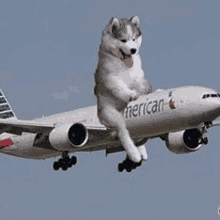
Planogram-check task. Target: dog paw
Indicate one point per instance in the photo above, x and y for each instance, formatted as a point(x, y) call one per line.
point(134, 95)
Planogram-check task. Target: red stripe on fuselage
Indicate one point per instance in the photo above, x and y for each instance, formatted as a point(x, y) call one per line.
point(6, 143)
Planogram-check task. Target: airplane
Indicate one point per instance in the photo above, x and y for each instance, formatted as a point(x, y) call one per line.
point(179, 116)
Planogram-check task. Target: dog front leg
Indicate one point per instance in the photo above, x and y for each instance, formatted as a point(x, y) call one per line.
point(119, 89)
point(144, 87)
point(109, 116)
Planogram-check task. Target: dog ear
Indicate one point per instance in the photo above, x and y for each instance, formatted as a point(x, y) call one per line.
point(135, 20)
point(114, 24)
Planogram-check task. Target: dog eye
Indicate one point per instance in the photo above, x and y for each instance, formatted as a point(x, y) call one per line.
point(134, 39)
point(124, 41)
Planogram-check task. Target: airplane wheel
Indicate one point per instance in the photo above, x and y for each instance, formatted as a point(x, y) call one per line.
point(128, 169)
point(56, 166)
point(64, 167)
point(134, 166)
point(69, 164)
point(138, 164)
point(73, 160)
point(61, 162)
point(120, 167)
point(205, 140)
point(127, 162)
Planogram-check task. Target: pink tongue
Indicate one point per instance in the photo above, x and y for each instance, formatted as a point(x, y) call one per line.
point(129, 61)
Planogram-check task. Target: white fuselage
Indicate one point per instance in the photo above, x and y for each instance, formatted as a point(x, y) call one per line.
point(150, 116)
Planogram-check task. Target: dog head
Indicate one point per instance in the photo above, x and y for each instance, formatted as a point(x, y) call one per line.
point(123, 38)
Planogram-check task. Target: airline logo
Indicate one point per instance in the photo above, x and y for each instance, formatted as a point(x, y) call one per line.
point(6, 143)
point(171, 104)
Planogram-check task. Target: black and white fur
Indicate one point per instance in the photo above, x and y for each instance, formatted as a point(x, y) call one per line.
point(120, 79)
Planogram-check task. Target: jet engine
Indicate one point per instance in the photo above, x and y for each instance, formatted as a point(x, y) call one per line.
point(183, 142)
point(69, 136)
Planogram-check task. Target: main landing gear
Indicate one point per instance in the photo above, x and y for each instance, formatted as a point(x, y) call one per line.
point(128, 165)
point(65, 162)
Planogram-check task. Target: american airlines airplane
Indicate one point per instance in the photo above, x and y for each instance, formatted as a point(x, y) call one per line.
point(179, 116)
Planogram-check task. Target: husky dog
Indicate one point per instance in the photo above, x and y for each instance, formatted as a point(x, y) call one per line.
point(120, 79)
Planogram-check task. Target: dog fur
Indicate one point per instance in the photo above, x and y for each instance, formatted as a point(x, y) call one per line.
point(119, 78)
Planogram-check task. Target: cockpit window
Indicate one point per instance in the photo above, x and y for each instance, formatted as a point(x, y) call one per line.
point(210, 95)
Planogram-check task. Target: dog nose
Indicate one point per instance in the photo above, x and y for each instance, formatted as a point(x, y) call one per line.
point(133, 51)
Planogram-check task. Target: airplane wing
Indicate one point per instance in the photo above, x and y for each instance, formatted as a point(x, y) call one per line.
point(96, 127)
point(19, 126)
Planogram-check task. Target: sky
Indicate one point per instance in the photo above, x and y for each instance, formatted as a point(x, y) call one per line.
point(48, 55)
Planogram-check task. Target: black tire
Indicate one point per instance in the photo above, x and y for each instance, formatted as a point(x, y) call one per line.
point(64, 167)
point(127, 162)
point(69, 163)
point(134, 166)
point(73, 160)
point(61, 161)
point(138, 164)
point(120, 167)
point(56, 166)
point(205, 140)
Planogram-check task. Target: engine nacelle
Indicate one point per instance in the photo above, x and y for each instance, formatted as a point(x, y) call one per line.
point(183, 142)
point(69, 136)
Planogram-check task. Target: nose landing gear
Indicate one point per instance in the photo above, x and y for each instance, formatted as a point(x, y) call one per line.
point(65, 162)
point(205, 140)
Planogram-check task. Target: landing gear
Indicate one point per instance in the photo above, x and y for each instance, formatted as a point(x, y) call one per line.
point(65, 162)
point(128, 165)
point(56, 165)
point(205, 140)
point(208, 124)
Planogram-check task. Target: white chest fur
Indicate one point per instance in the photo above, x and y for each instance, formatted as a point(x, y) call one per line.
point(135, 73)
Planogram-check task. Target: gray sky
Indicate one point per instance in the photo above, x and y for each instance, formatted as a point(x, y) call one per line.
point(48, 54)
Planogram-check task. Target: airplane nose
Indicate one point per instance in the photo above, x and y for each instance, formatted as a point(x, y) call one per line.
point(133, 51)
point(210, 109)
point(214, 106)
point(218, 106)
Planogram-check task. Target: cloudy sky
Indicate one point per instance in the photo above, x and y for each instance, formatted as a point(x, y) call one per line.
point(48, 55)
